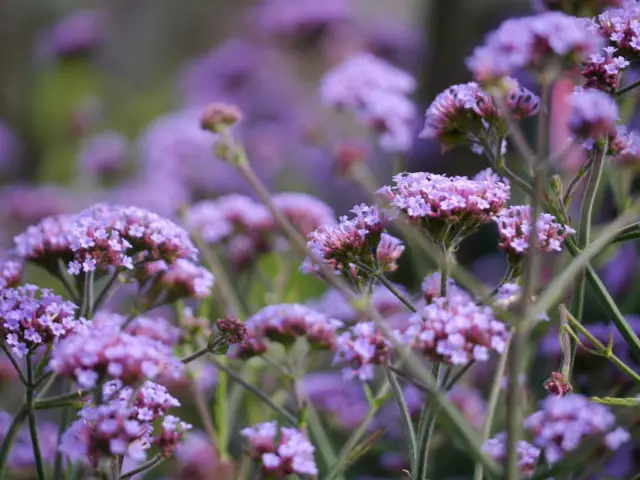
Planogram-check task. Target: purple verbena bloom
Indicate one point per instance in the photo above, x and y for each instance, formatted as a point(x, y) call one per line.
point(22, 205)
point(328, 391)
point(594, 114)
point(31, 316)
point(528, 455)
point(446, 208)
point(79, 33)
point(198, 457)
point(455, 330)
point(163, 283)
point(620, 27)
point(10, 273)
point(550, 39)
point(603, 71)
point(103, 154)
point(46, 242)
point(563, 423)
point(361, 347)
point(306, 212)
point(280, 451)
point(154, 328)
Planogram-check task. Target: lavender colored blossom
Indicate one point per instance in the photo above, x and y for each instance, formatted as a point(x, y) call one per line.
point(563, 423)
point(154, 328)
point(31, 317)
point(21, 455)
point(466, 113)
point(124, 426)
point(550, 39)
point(10, 273)
point(103, 154)
point(197, 456)
point(280, 451)
point(328, 392)
point(284, 323)
point(9, 147)
point(164, 283)
point(377, 92)
point(528, 455)
point(360, 348)
point(620, 27)
point(360, 239)
point(455, 330)
point(104, 350)
point(79, 33)
point(446, 208)
point(305, 211)
point(23, 205)
point(514, 227)
point(594, 114)
point(46, 242)
point(603, 71)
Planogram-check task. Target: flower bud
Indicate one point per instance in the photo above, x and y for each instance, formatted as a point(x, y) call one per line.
point(217, 117)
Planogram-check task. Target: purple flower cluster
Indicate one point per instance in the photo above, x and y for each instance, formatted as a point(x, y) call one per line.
point(377, 92)
point(104, 350)
point(514, 228)
point(360, 348)
point(563, 423)
point(360, 239)
point(282, 451)
point(46, 242)
point(21, 455)
point(24, 204)
point(103, 154)
point(198, 456)
point(550, 39)
point(455, 330)
point(447, 208)
point(10, 273)
point(594, 114)
point(328, 392)
point(153, 328)
point(78, 33)
point(466, 113)
point(284, 323)
point(603, 71)
point(31, 316)
point(165, 283)
point(528, 455)
point(306, 212)
point(620, 27)
point(124, 426)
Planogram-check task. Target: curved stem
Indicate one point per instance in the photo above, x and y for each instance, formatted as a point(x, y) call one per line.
point(14, 362)
point(33, 425)
point(405, 416)
point(628, 88)
point(104, 293)
point(389, 286)
point(145, 466)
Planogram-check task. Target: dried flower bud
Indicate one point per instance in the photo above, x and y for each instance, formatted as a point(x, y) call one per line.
point(231, 329)
point(557, 385)
point(217, 117)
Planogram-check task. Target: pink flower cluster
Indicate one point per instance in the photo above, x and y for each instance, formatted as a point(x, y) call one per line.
point(528, 455)
point(123, 426)
point(46, 242)
point(154, 328)
point(447, 208)
point(535, 42)
point(514, 228)
point(360, 348)
point(377, 92)
point(466, 113)
point(103, 154)
point(358, 239)
point(620, 26)
point(281, 452)
point(31, 316)
point(455, 330)
point(104, 350)
point(594, 114)
point(284, 323)
point(603, 71)
point(165, 283)
point(563, 423)
point(10, 273)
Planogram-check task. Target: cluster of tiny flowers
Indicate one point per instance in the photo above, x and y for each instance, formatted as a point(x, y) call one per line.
point(280, 453)
point(603, 71)
point(535, 42)
point(377, 92)
point(306, 212)
point(514, 228)
point(360, 348)
point(103, 154)
point(10, 273)
point(105, 350)
point(528, 455)
point(124, 426)
point(154, 328)
point(594, 115)
point(113, 235)
point(620, 27)
point(563, 423)
point(455, 330)
point(448, 208)
point(284, 323)
point(46, 242)
point(360, 239)
point(31, 316)
point(465, 113)
point(165, 283)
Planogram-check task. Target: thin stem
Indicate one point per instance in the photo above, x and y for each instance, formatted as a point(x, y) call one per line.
point(33, 425)
point(584, 237)
point(145, 466)
point(450, 384)
point(78, 395)
point(86, 308)
point(58, 464)
point(405, 416)
point(104, 293)
point(14, 362)
point(9, 438)
point(389, 286)
point(492, 403)
point(62, 274)
point(628, 88)
point(195, 355)
point(220, 410)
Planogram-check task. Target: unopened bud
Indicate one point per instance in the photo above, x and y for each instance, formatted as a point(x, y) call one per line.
point(557, 385)
point(231, 329)
point(219, 116)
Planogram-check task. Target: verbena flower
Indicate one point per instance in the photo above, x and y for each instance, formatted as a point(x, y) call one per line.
point(514, 228)
point(103, 154)
point(31, 316)
point(123, 426)
point(594, 114)
point(10, 273)
point(306, 212)
point(528, 455)
point(361, 347)
point(563, 423)
point(280, 451)
point(22, 205)
point(446, 208)
point(21, 456)
point(359, 239)
point(548, 40)
point(285, 323)
point(164, 283)
point(377, 92)
point(198, 457)
point(78, 33)
point(151, 327)
point(455, 330)
point(104, 351)
point(619, 26)
point(467, 114)
point(603, 71)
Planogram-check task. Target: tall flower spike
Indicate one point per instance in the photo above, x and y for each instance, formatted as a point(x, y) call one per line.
point(446, 208)
point(548, 40)
point(563, 423)
point(31, 317)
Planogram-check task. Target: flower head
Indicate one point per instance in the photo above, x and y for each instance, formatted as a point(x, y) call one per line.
point(103, 154)
point(280, 451)
point(563, 423)
point(78, 33)
point(361, 347)
point(620, 27)
point(165, 283)
point(305, 211)
point(528, 455)
point(47, 242)
point(594, 114)
point(603, 71)
point(10, 273)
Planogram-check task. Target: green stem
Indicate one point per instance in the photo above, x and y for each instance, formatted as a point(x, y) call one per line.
point(405, 416)
point(220, 411)
point(449, 384)
point(321, 438)
point(13, 361)
point(145, 466)
point(33, 425)
point(9, 438)
point(195, 355)
point(104, 293)
point(78, 395)
point(62, 275)
point(58, 464)
point(87, 299)
point(628, 88)
point(385, 281)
